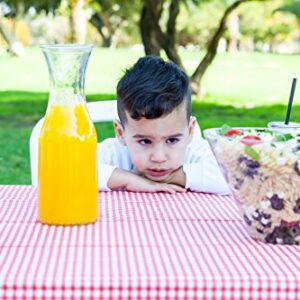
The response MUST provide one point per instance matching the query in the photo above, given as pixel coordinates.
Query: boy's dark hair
(152, 88)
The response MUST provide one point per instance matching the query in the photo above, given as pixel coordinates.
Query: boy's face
(157, 146)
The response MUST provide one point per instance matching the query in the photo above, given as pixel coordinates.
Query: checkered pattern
(144, 246)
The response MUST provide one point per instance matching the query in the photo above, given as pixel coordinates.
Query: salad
(262, 168)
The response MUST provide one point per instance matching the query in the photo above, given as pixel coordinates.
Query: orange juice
(67, 170)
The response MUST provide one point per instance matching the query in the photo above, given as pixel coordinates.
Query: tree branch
(171, 24)
(167, 40)
(147, 29)
(213, 45)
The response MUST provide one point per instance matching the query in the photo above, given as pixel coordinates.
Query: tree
(15, 8)
(262, 29)
(77, 21)
(292, 7)
(76, 12)
(14, 46)
(109, 16)
(213, 45)
(155, 39)
(233, 26)
(100, 20)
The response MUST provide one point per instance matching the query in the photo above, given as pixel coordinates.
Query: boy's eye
(172, 141)
(144, 142)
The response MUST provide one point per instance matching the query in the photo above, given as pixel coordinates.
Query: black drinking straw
(288, 112)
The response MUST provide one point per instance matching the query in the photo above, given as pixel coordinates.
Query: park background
(240, 55)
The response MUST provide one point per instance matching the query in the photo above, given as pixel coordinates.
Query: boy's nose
(158, 156)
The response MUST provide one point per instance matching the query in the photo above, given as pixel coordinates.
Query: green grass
(241, 89)
(241, 79)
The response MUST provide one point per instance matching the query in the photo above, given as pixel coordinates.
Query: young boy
(154, 149)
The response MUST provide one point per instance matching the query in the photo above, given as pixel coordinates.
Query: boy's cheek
(138, 164)
(137, 159)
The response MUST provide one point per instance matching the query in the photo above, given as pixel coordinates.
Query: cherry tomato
(250, 140)
(233, 131)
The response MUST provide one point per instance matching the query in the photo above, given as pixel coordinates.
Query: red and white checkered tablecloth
(182, 246)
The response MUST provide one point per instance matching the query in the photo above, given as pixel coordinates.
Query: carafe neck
(67, 67)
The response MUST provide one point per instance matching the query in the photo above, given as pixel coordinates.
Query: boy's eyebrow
(174, 135)
(141, 136)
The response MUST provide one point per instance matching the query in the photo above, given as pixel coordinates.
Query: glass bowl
(262, 168)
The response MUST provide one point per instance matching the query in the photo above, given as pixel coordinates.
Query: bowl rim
(214, 131)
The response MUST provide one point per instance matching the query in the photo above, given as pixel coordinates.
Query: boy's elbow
(224, 191)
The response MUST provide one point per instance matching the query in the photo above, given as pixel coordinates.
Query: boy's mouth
(157, 172)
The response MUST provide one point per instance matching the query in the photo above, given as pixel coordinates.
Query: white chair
(100, 111)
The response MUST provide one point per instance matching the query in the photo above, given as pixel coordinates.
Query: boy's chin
(158, 178)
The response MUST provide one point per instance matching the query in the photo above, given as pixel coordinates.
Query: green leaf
(283, 137)
(265, 130)
(224, 128)
(251, 152)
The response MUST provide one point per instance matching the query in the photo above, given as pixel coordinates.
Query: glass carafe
(67, 169)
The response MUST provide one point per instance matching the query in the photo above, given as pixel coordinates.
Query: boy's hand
(135, 183)
(141, 184)
(177, 177)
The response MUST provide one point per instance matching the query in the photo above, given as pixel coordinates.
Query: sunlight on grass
(240, 79)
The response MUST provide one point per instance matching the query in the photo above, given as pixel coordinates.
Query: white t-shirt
(200, 166)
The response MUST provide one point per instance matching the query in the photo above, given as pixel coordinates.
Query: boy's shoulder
(111, 143)
(112, 147)
(111, 151)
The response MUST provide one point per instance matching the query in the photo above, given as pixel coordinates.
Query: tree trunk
(233, 25)
(298, 21)
(14, 46)
(154, 39)
(150, 16)
(77, 21)
(97, 21)
(170, 37)
(212, 48)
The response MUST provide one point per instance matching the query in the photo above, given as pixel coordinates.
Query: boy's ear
(119, 131)
(191, 128)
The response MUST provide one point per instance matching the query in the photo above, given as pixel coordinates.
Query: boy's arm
(177, 177)
(200, 172)
(122, 179)
(205, 176)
